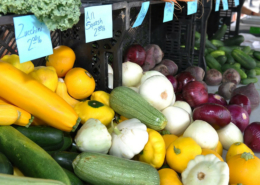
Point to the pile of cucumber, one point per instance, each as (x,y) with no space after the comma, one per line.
(223,55)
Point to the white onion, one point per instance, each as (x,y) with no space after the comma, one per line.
(135,89)
(149,74)
(110,69)
(184,105)
(132,74)
(110,81)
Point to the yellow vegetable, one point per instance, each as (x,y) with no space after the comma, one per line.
(14,60)
(168,139)
(38,122)
(154,150)
(8,114)
(206,151)
(46,76)
(180,152)
(94,109)
(169,177)
(17,172)
(237,148)
(101,96)
(219,148)
(23,91)
(61,90)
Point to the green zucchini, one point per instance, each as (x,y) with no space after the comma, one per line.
(247,81)
(246,61)
(257,70)
(65,159)
(73,148)
(130,104)
(234,41)
(74,180)
(226,49)
(212,62)
(251,73)
(221,59)
(208,45)
(48,138)
(67,144)
(217,53)
(246,49)
(220,33)
(30,158)
(103,169)
(237,65)
(230,59)
(242,74)
(217,43)
(16,180)
(257,55)
(5,165)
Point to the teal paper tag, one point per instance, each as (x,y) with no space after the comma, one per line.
(225,4)
(32,37)
(142,14)
(217,5)
(192,7)
(168,12)
(236,2)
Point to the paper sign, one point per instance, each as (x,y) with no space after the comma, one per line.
(142,14)
(225,4)
(32,37)
(192,7)
(98,23)
(236,2)
(217,5)
(168,12)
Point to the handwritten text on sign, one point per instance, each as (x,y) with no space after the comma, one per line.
(32,37)
(98,23)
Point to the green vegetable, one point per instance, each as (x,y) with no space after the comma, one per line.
(5,165)
(227,49)
(30,158)
(230,59)
(246,49)
(234,41)
(221,59)
(220,33)
(237,65)
(65,159)
(212,62)
(217,53)
(66,144)
(257,54)
(240,71)
(251,73)
(210,50)
(235,47)
(217,43)
(247,81)
(105,169)
(257,63)
(74,180)
(208,44)
(251,52)
(246,61)
(257,70)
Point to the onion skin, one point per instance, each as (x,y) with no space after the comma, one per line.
(239,116)
(251,136)
(217,99)
(216,115)
(183,78)
(135,53)
(243,101)
(173,81)
(195,94)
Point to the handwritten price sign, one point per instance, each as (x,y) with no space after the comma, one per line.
(32,37)
(168,12)
(98,23)
(192,7)
(217,5)
(142,14)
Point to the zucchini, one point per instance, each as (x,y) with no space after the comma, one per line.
(221,59)
(246,61)
(251,73)
(217,53)
(208,44)
(130,104)
(5,165)
(242,74)
(246,49)
(73,148)
(217,43)
(256,54)
(234,41)
(212,62)
(65,159)
(237,65)
(74,180)
(48,138)
(66,144)
(15,180)
(257,70)
(226,49)
(220,33)
(103,169)
(230,59)
(247,81)
(30,158)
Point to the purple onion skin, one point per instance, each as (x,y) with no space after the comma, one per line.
(216,115)
(135,53)
(217,99)
(183,79)
(239,116)
(173,81)
(243,101)
(252,136)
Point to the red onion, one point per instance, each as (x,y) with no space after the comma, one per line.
(243,101)
(251,136)
(217,99)
(195,94)
(179,97)
(183,78)
(173,81)
(136,54)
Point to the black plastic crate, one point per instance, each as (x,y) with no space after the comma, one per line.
(217,19)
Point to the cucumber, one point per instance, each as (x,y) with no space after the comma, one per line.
(205,51)
(48,138)
(257,70)
(230,59)
(237,65)
(74,180)
(246,49)
(256,54)
(247,81)
(30,158)
(257,63)
(197,35)
(65,159)
(217,53)
(217,43)
(242,74)
(251,73)
(210,50)
(246,61)
(251,53)
(103,169)
(212,62)
(221,59)
(227,49)
(220,33)
(5,165)
(15,180)
(130,104)
(208,45)
(234,41)
(235,47)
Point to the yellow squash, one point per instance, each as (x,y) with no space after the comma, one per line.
(14,60)
(237,148)
(61,90)
(169,177)
(8,114)
(94,109)
(101,96)
(180,152)
(168,139)
(154,150)
(23,91)
(219,148)
(46,76)
(206,151)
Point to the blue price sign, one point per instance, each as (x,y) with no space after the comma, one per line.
(98,23)
(236,2)
(32,37)
(225,4)
(217,5)
(142,14)
(168,12)
(192,7)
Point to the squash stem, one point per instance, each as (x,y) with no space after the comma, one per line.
(177,150)
(238,143)
(247,156)
(115,129)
